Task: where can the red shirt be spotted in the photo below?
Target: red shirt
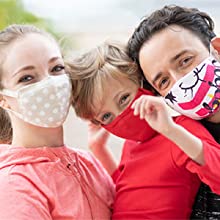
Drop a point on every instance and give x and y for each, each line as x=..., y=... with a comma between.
x=157, y=180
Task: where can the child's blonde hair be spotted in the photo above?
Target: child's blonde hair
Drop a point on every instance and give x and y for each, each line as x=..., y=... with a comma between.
x=91, y=70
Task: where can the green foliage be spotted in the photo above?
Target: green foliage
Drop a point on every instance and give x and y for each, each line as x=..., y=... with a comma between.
x=13, y=11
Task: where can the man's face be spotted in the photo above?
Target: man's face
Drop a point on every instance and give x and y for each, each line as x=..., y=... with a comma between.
x=169, y=55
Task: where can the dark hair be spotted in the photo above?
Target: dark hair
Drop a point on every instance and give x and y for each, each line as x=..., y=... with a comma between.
x=192, y=19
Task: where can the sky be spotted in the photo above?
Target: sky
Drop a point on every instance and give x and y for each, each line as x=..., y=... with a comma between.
x=108, y=15
x=75, y=15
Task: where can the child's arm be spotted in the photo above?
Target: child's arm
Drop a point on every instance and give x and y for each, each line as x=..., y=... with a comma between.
x=97, y=140
x=154, y=111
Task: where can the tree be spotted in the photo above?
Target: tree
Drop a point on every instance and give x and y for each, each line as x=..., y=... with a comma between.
x=13, y=11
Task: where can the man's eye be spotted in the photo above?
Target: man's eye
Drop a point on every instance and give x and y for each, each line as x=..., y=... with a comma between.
x=163, y=83
x=186, y=61
x=25, y=78
x=58, y=69
x=123, y=99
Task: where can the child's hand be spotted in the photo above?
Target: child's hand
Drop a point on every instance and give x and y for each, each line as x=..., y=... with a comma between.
x=97, y=136
x=154, y=111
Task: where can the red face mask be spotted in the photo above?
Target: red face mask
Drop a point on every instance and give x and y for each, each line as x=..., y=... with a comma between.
x=131, y=127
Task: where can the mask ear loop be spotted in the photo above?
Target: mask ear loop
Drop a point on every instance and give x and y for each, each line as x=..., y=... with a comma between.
x=142, y=83
x=9, y=93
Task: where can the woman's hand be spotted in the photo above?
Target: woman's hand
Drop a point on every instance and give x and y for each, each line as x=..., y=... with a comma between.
x=97, y=136
x=97, y=142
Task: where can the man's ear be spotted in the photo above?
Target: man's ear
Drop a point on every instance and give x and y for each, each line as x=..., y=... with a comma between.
x=215, y=42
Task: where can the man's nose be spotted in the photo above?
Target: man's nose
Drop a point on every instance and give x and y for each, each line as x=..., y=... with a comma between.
x=174, y=75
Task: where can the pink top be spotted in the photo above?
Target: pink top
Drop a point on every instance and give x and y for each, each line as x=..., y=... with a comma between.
x=53, y=183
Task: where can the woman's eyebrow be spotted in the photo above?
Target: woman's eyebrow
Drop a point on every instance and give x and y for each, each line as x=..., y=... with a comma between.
x=22, y=69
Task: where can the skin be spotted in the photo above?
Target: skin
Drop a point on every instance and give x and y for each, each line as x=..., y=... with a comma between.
x=174, y=60
x=116, y=97
x=29, y=60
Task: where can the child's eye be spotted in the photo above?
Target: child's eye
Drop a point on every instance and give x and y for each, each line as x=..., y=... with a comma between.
x=106, y=118
x=123, y=99
x=58, y=69
x=25, y=78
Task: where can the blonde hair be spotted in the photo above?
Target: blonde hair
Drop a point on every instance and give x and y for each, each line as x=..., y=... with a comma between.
x=91, y=70
x=7, y=36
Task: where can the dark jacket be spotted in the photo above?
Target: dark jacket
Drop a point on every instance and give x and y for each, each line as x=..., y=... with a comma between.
x=207, y=203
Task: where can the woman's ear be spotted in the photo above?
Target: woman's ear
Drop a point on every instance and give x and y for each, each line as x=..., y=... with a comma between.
x=3, y=102
x=215, y=42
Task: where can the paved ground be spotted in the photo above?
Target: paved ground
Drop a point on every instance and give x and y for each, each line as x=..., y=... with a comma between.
x=75, y=132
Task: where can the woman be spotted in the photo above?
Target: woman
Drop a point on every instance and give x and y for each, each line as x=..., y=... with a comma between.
x=40, y=178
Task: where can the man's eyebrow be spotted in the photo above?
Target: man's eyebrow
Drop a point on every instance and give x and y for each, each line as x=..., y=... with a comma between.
x=177, y=56
x=158, y=75
x=173, y=59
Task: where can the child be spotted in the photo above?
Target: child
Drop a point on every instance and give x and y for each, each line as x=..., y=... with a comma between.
x=40, y=178
x=156, y=179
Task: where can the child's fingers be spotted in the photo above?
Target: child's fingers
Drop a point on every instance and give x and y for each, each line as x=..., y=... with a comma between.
x=134, y=104
x=136, y=107
x=143, y=108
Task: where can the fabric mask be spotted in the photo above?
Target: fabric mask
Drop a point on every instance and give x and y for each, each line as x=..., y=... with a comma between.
x=197, y=94
x=131, y=127
x=45, y=103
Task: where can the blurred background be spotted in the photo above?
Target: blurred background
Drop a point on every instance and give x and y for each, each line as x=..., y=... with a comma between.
x=80, y=25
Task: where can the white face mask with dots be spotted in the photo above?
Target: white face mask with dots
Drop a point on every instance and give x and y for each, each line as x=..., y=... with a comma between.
x=45, y=103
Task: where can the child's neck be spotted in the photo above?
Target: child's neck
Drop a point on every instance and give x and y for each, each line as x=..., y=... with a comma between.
x=33, y=136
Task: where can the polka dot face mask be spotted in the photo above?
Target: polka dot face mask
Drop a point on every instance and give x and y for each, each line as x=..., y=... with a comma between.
x=45, y=103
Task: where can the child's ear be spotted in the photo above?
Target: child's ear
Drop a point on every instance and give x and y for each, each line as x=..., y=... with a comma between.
x=215, y=42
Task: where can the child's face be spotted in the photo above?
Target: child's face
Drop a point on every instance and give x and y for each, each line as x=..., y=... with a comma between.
x=117, y=95
x=29, y=60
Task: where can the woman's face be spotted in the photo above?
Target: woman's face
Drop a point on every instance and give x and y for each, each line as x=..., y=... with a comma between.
x=29, y=60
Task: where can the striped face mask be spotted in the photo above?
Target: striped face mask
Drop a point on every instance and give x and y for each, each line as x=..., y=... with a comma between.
x=197, y=94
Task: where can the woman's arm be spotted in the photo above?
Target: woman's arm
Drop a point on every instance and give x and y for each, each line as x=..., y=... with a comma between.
x=97, y=140
x=20, y=199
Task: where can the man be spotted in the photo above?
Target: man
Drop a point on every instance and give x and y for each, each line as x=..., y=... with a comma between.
x=167, y=45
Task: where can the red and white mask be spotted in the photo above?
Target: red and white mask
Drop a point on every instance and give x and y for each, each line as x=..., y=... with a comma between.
x=197, y=94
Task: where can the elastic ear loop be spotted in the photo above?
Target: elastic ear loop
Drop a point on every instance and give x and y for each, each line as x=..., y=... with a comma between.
x=13, y=95
x=142, y=83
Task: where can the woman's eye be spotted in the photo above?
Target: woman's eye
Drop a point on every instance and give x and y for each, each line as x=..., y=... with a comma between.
x=25, y=78
x=106, y=118
x=58, y=69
